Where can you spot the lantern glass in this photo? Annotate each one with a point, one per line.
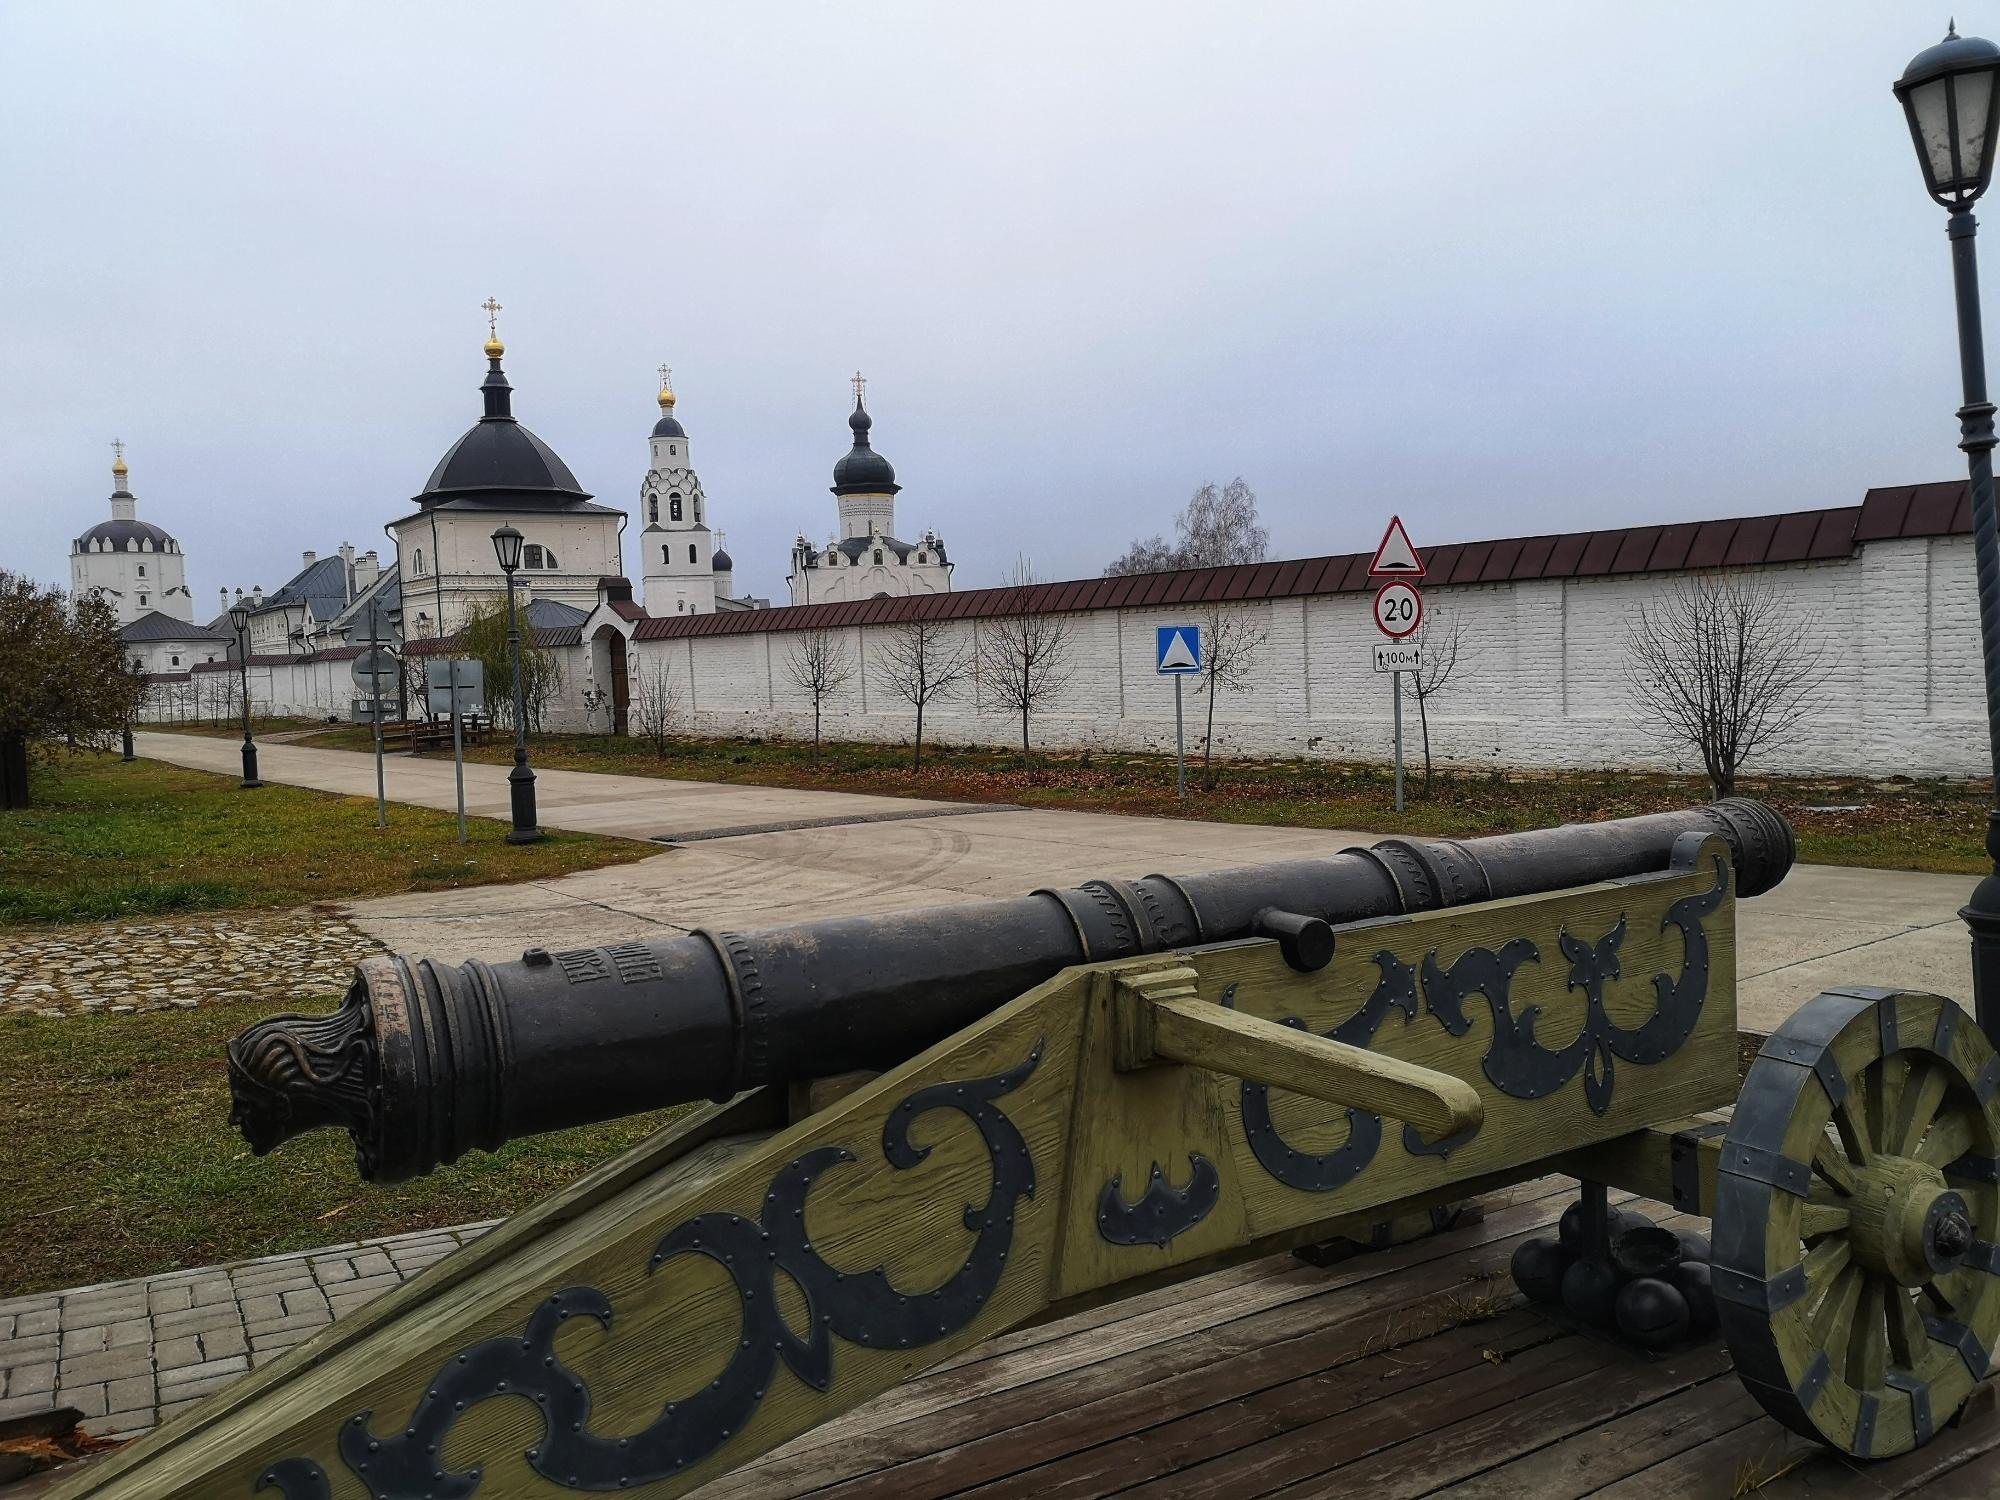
(1947, 92)
(507, 547)
(239, 617)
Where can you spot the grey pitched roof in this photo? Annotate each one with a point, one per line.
(154, 626)
(321, 587)
(386, 591)
(553, 614)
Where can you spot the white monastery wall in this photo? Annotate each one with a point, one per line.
(1545, 687)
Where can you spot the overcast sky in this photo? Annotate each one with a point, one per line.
(1502, 268)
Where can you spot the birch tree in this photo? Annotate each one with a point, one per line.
(1723, 665)
(820, 665)
(920, 661)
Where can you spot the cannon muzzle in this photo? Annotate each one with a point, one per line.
(424, 1061)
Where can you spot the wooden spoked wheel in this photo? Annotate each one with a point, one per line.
(1856, 1217)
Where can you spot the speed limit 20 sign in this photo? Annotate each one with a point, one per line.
(1399, 609)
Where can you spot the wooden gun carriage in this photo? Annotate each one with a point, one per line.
(1414, 1024)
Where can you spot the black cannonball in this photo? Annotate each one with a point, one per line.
(1589, 1291)
(1569, 1229)
(1651, 1313)
(1691, 1278)
(1694, 1246)
(1538, 1267)
(1623, 1219)
(1644, 1250)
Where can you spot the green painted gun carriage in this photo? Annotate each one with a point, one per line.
(928, 1127)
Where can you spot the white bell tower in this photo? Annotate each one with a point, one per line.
(674, 540)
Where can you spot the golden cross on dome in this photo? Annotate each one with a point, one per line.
(666, 377)
(492, 317)
(118, 449)
(860, 386)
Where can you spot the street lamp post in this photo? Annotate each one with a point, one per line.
(520, 780)
(1947, 93)
(239, 616)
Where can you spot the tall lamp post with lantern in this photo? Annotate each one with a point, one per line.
(1947, 92)
(239, 619)
(521, 780)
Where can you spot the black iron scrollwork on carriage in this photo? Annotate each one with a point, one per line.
(1516, 1062)
(861, 1307)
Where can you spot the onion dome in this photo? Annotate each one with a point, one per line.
(498, 459)
(667, 426)
(124, 532)
(863, 471)
(723, 563)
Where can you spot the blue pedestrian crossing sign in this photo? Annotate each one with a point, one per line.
(1179, 649)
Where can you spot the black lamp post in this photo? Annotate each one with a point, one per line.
(1947, 92)
(239, 617)
(520, 780)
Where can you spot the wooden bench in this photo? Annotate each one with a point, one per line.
(416, 735)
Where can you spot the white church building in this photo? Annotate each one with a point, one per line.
(685, 572)
(500, 473)
(132, 565)
(866, 560)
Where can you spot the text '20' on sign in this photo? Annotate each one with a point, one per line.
(1399, 609)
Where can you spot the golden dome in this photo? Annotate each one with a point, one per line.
(118, 466)
(494, 348)
(666, 398)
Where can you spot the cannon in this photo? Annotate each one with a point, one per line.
(925, 1128)
(425, 1061)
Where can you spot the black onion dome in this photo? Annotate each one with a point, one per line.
(723, 563)
(119, 535)
(863, 471)
(498, 458)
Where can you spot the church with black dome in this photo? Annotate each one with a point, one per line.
(866, 559)
(499, 472)
(132, 565)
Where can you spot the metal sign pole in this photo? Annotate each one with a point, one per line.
(1180, 744)
(375, 712)
(457, 747)
(1397, 678)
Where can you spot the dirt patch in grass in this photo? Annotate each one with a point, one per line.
(104, 839)
(1891, 823)
(120, 1159)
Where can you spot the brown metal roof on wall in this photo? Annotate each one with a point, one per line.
(1890, 513)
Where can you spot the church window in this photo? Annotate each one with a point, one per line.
(176, 661)
(653, 509)
(142, 601)
(878, 557)
(666, 554)
(419, 568)
(674, 506)
(535, 555)
(690, 551)
(142, 570)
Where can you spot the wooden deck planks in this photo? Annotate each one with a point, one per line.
(1364, 1379)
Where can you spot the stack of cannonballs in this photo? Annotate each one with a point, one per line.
(1652, 1287)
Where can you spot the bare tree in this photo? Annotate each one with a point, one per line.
(919, 661)
(820, 665)
(1444, 660)
(1216, 528)
(1723, 665)
(655, 710)
(1230, 641)
(1025, 659)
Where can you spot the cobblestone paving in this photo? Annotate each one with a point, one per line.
(130, 1354)
(178, 962)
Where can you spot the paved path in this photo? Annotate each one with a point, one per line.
(129, 1354)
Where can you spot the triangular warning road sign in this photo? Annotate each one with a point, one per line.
(1396, 558)
(1178, 654)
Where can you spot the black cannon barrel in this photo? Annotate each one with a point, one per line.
(424, 1061)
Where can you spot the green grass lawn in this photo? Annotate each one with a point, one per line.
(1902, 824)
(120, 1160)
(107, 839)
